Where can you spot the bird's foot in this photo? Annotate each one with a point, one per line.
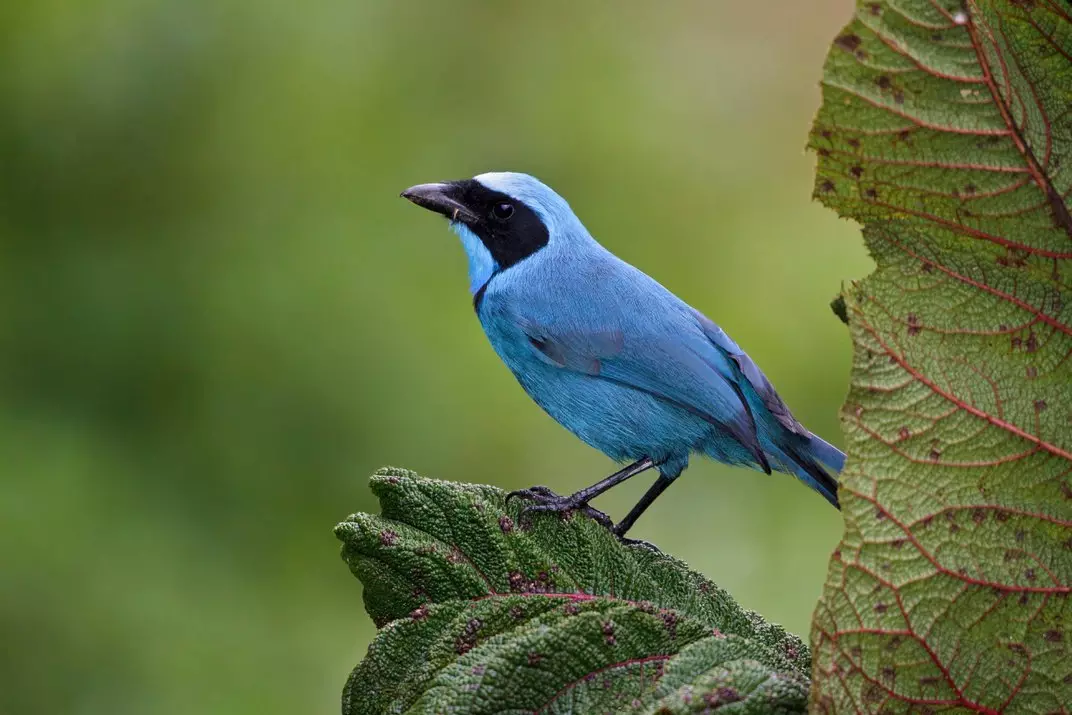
(546, 500)
(639, 542)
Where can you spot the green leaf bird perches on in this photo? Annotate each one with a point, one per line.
(481, 613)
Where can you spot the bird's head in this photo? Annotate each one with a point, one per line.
(501, 217)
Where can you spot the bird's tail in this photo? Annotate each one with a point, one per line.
(808, 465)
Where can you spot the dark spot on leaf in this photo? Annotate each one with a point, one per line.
(898, 97)
(857, 171)
(872, 693)
(572, 609)
(1032, 342)
(517, 581)
(1024, 599)
(927, 519)
(823, 152)
(883, 81)
(898, 543)
(1030, 574)
(880, 607)
(670, 621)
(1040, 406)
(936, 37)
(1020, 536)
(420, 613)
(791, 651)
(388, 537)
(468, 637)
(903, 433)
(904, 135)
(517, 613)
(888, 674)
(954, 528)
(978, 516)
(826, 186)
(926, 267)
(393, 480)
(935, 454)
(1053, 636)
(848, 42)
(860, 54)
(506, 524)
(913, 324)
(874, 8)
(871, 194)
(1002, 516)
(1032, 371)
(727, 695)
(1018, 648)
(929, 680)
(534, 659)
(880, 514)
(854, 143)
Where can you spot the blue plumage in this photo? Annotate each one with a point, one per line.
(610, 353)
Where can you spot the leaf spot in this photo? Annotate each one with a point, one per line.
(848, 42)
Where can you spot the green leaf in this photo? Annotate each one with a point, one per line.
(946, 129)
(480, 612)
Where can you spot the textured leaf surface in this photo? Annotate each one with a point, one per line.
(480, 613)
(946, 129)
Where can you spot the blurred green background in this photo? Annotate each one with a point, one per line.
(217, 317)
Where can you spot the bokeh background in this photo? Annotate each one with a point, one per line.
(217, 317)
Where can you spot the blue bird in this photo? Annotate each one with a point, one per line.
(611, 354)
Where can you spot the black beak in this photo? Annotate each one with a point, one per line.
(441, 199)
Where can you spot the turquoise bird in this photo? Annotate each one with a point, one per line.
(612, 355)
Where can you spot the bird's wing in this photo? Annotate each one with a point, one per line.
(678, 367)
(747, 371)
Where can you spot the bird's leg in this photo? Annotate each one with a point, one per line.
(547, 500)
(650, 496)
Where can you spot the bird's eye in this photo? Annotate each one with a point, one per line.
(503, 210)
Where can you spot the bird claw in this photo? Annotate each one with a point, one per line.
(549, 501)
(637, 542)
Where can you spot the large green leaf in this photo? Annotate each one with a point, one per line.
(946, 129)
(480, 612)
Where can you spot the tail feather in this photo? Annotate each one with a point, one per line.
(808, 467)
(827, 453)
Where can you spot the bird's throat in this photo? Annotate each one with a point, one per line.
(481, 264)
